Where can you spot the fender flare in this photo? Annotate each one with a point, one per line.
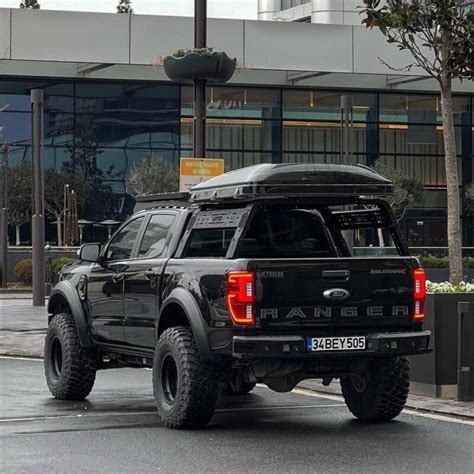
(188, 304)
(67, 291)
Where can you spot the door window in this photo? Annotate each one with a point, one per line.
(121, 246)
(156, 234)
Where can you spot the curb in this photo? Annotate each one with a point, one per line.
(410, 404)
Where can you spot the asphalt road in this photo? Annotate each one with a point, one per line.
(116, 430)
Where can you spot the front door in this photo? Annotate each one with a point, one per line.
(142, 281)
(105, 285)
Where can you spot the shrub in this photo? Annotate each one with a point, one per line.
(470, 262)
(431, 261)
(24, 271)
(59, 263)
(446, 287)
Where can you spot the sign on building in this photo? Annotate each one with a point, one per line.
(193, 171)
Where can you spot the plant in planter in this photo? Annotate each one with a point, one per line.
(199, 63)
(435, 374)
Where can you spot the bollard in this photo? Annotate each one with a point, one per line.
(465, 351)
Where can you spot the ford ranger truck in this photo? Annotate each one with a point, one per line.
(255, 276)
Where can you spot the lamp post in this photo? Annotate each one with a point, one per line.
(199, 123)
(38, 196)
(4, 216)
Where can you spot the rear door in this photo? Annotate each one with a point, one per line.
(105, 284)
(142, 280)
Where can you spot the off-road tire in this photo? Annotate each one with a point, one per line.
(191, 400)
(385, 393)
(228, 389)
(69, 369)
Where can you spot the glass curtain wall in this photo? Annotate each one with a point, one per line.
(102, 130)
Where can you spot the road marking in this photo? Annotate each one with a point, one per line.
(36, 359)
(136, 413)
(407, 411)
(293, 407)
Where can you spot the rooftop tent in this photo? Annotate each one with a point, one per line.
(286, 180)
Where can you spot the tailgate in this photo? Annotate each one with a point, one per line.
(334, 292)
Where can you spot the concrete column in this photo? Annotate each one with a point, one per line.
(268, 8)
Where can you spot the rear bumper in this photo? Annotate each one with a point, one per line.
(378, 344)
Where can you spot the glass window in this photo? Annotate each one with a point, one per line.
(239, 159)
(414, 139)
(413, 108)
(157, 231)
(121, 246)
(301, 136)
(243, 102)
(324, 105)
(209, 243)
(15, 127)
(278, 233)
(120, 129)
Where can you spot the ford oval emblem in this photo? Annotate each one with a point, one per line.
(336, 294)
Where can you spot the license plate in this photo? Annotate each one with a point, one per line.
(356, 343)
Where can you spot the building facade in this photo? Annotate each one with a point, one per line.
(104, 114)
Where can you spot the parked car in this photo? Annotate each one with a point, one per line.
(247, 279)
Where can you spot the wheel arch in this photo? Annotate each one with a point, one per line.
(64, 299)
(181, 309)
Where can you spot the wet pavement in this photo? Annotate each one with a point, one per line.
(117, 430)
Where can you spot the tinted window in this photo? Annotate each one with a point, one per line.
(121, 245)
(157, 231)
(209, 242)
(285, 233)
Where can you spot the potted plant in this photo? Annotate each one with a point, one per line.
(199, 63)
(435, 374)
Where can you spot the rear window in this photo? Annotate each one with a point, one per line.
(209, 242)
(286, 233)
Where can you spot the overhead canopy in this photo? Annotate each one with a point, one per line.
(289, 180)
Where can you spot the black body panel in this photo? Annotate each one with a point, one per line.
(129, 302)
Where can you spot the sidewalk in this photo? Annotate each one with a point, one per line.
(23, 328)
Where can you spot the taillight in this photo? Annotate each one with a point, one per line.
(419, 293)
(241, 297)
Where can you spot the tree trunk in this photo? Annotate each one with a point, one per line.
(17, 233)
(452, 184)
(59, 230)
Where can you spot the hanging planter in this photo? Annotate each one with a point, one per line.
(205, 64)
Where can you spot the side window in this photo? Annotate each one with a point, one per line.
(209, 242)
(121, 246)
(156, 233)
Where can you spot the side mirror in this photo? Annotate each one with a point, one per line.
(89, 253)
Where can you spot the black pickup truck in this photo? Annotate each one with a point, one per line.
(249, 278)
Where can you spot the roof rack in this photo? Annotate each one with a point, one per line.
(150, 201)
(271, 181)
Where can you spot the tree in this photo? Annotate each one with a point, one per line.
(154, 175)
(54, 183)
(33, 4)
(439, 35)
(406, 189)
(19, 196)
(125, 6)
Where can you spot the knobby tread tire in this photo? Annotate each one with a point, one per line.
(197, 386)
(78, 369)
(386, 393)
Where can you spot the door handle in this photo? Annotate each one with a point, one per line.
(150, 273)
(116, 277)
(336, 275)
